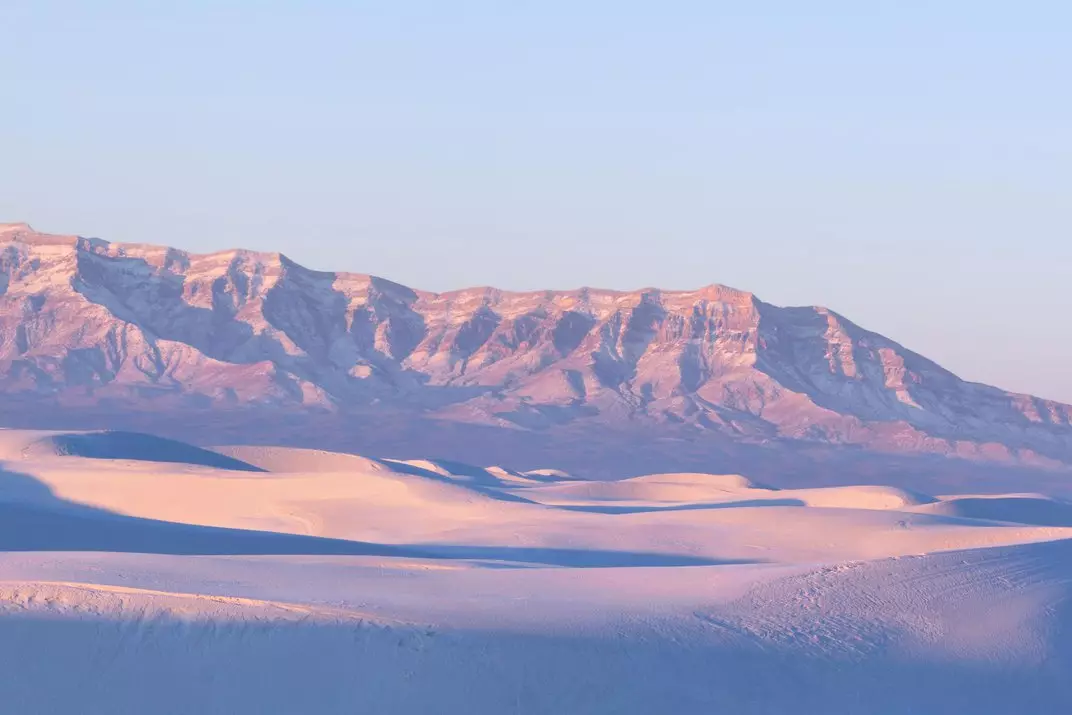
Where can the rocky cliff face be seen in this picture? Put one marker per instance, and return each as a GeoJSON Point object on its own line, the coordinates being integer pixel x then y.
{"type": "Point", "coordinates": [88, 324]}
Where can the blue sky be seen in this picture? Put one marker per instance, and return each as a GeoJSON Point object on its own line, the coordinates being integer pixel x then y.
{"type": "Point", "coordinates": [908, 164]}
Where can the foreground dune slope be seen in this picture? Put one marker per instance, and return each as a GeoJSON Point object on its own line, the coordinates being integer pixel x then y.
{"type": "Point", "coordinates": [140, 576]}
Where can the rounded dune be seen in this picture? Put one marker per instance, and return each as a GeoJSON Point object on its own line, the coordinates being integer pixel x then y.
{"type": "Point", "coordinates": [1027, 509]}
{"type": "Point", "coordinates": [299, 460]}
{"type": "Point", "coordinates": [480, 478]}
{"type": "Point", "coordinates": [135, 446]}
{"type": "Point", "coordinates": [859, 497]}
{"type": "Point", "coordinates": [548, 475]}
{"type": "Point", "coordinates": [653, 488]}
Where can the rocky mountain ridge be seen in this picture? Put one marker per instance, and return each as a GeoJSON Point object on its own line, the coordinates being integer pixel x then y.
{"type": "Point", "coordinates": [86, 324]}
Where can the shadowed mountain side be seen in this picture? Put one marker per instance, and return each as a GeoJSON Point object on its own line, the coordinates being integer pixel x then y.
{"type": "Point", "coordinates": [32, 518]}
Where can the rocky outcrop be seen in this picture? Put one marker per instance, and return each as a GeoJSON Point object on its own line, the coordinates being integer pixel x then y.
{"type": "Point", "coordinates": [85, 323]}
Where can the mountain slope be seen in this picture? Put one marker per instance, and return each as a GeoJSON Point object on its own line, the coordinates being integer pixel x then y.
{"type": "Point", "coordinates": [88, 325]}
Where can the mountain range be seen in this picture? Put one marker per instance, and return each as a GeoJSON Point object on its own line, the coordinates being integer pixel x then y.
{"type": "Point", "coordinates": [235, 344]}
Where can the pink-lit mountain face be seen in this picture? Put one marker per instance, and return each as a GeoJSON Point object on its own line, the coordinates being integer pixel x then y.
{"type": "Point", "coordinates": [92, 327]}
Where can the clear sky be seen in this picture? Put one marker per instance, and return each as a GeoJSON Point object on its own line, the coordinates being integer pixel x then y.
{"type": "Point", "coordinates": [908, 164]}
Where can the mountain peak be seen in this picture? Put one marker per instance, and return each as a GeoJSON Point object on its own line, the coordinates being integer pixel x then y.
{"type": "Point", "coordinates": [23, 232]}
{"type": "Point", "coordinates": [18, 227]}
{"type": "Point", "coordinates": [135, 328]}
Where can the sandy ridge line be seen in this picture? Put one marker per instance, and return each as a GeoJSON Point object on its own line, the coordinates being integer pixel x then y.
{"type": "Point", "coordinates": [9, 593]}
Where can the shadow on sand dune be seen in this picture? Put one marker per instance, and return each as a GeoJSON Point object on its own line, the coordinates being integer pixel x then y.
{"type": "Point", "coordinates": [1011, 510]}
{"type": "Point", "coordinates": [572, 558]}
{"type": "Point", "coordinates": [611, 509]}
{"type": "Point", "coordinates": [32, 518]}
{"type": "Point", "coordinates": [141, 447]}
{"type": "Point", "coordinates": [144, 662]}
{"type": "Point", "coordinates": [473, 478]}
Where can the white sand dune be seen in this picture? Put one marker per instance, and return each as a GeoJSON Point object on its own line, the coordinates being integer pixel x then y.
{"type": "Point", "coordinates": [655, 488]}
{"type": "Point", "coordinates": [148, 576]}
{"type": "Point", "coordinates": [696, 490]}
{"type": "Point", "coordinates": [112, 445]}
{"type": "Point", "coordinates": [294, 459]}
{"type": "Point", "coordinates": [1034, 509]}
